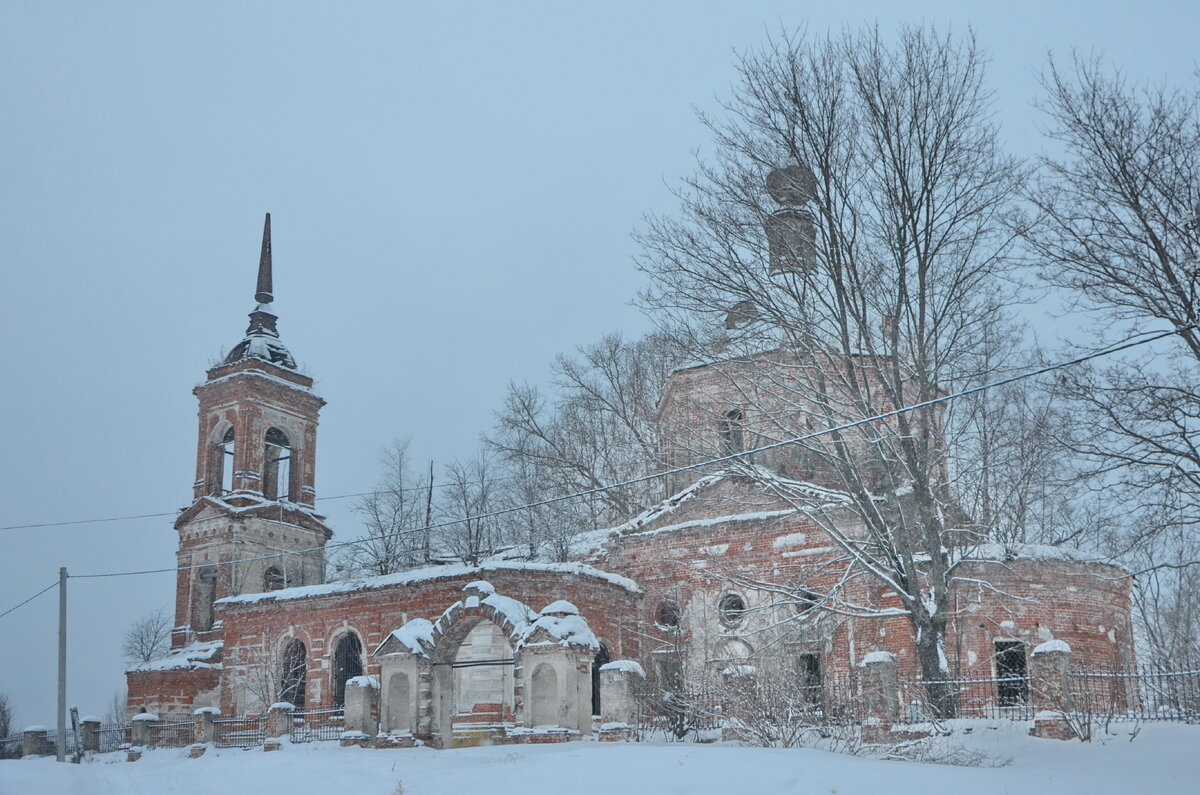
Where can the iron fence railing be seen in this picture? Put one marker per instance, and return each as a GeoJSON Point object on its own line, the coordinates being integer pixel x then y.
{"type": "Point", "coordinates": [243, 732]}
{"type": "Point", "coordinates": [970, 697]}
{"type": "Point", "coordinates": [174, 735]}
{"type": "Point", "coordinates": [111, 737]}
{"type": "Point", "coordinates": [10, 747]}
{"type": "Point", "coordinates": [318, 724]}
{"type": "Point", "coordinates": [1140, 694]}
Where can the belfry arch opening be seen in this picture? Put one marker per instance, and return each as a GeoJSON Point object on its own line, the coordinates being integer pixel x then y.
{"type": "Point", "coordinates": [277, 466]}
{"type": "Point", "coordinates": [222, 463]}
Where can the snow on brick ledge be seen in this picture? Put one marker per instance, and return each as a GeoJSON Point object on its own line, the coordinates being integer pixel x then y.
{"type": "Point", "coordinates": [878, 657]}
{"type": "Point", "coordinates": [1051, 646]}
{"type": "Point", "coordinates": [195, 655]}
{"type": "Point", "coordinates": [624, 666]}
{"type": "Point", "coordinates": [425, 574]}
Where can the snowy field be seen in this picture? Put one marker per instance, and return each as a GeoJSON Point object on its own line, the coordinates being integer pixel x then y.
{"type": "Point", "coordinates": [1159, 759]}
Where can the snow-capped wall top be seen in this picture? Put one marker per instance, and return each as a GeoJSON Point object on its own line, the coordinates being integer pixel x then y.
{"type": "Point", "coordinates": [561, 608]}
{"type": "Point", "coordinates": [363, 681]}
{"type": "Point", "coordinates": [416, 637]}
{"type": "Point", "coordinates": [570, 630]}
{"type": "Point", "coordinates": [878, 657]}
{"type": "Point", "coordinates": [736, 671]}
{"type": "Point", "coordinates": [481, 587]}
{"type": "Point", "coordinates": [424, 575]}
{"type": "Point", "coordinates": [195, 655]}
{"type": "Point", "coordinates": [624, 666]}
{"type": "Point", "coordinates": [144, 716]}
{"type": "Point", "coordinates": [990, 552]}
{"type": "Point", "coordinates": [1052, 646]}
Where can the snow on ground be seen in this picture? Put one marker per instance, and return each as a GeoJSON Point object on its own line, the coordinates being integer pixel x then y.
{"type": "Point", "coordinates": [1159, 759]}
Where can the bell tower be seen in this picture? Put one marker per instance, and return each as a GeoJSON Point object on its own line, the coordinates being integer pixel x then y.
{"type": "Point", "coordinates": [252, 525]}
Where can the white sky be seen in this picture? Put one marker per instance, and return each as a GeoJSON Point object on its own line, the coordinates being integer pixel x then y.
{"type": "Point", "coordinates": [452, 188]}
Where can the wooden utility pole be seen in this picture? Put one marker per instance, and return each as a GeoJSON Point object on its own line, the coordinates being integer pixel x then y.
{"type": "Point", "coordinates": [61, 743]}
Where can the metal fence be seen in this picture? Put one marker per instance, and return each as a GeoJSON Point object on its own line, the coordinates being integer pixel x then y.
{"type": "Point", "coordinates": [174, 735]}
{"type": "Point", "coordinates": [10, 747]}
{"type": "Point", "coordinates": [1008, 697]}
{"type": "Point", "coordinates": [1142, 694]}
{"type": "Point", "coordinates": [318, 724]}
{"type": "Point", "coordinates": [244, 732]}
{"type": "Point", "coordinates": [111, 737]}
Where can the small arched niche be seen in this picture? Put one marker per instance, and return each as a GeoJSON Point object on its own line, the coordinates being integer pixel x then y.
{"type": "Point", "coordinates": [544, 701]}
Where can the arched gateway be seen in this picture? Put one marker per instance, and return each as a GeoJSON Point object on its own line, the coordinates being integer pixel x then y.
{"type": "Point", "coordinates": [488, 669]}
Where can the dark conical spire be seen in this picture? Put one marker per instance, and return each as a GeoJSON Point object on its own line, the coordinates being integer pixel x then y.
{"type": "Point", "coordinates": [262, 337]}
{"type": "Point", "coordinates": [264, 295]}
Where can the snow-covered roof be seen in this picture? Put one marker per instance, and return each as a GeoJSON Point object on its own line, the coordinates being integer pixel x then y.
{"type": "Point", "coordinates": [878, 657]}
{"type": "Point", "coordinates": [560, 607]}
{"type": "Point", "coordinates": [624, 666]}
{"type": "Point", "coordinates": [1052, 646]}
{"type": "Point", "coordinates": [415, 637]}
{"type": "Point", "coordinates": [567, 630]}
{"type": "Point", "coordinates": [1014, 551]}
{"type": "Point", "coordinates": [423, 575]}
{"type": "Point", "coordinates": [195, 655]}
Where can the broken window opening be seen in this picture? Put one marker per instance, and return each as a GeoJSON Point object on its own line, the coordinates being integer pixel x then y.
{"type": "Point", "coordinates": [732, 608]}
{"type": "Point", "coordinates": [273, 579]}
{"type": "Point", "coordinates": [225, 463]}
{"type": "Point", "coordinates": [206, 594]}
{"type": "Point", "coordinates": [294, 664]}
{"type": "Point", "coordinates": [808, 673]}
{"type": "Point", "coordinates": [277, 466]}
{"type": "Point", "coordinates": [733, 432]}
{"type": "Point", "coordinates": [600, 659]}
{"type": "Point", "coordinates": [668, 614]}
{"type": "Point", "coordinates": [347, 664]}
{"type": "Point", "coordinates": [1012, 680]}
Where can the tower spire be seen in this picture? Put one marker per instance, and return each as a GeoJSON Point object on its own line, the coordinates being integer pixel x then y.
{"type": "Point", "coordinates": [262, 336]}
{"type": "Point", "coordinates": [263, 294]}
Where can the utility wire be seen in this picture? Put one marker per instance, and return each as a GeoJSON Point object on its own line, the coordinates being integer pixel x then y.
{"type": "Point", "coordinates": [30, 599]}
{"type": "Point", "coordinates": [1129, 342]}
{"type": "Point", "coordinates": [176, 513]}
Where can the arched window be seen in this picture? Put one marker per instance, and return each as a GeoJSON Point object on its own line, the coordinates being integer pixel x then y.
{"type": "Point", "coordinates": [293, 667]}
{"type": "Point", "coordinates": [347, 664]}
{"type": "Point", "coordinates": [732, 608]}
{"type": "Point", "coordinates": [733, 432]}
{"type": "Point", "coordinates": [601, 659]}
{"type": "Point", "coordinates": [277, 469]}
{"type": "Point", "coordinates": [223, 464]}
{"type": "Point", "coordinates": [273, 579]}
{"type": "Point", "coordinates": [668, 614]}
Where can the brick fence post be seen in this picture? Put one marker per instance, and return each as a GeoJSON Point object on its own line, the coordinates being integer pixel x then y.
{"type": "Point", "coordinates": [89, 734]}
{"type": "Point", "coordinates": [34, 742]}
{"type": "Point", "coordinates": [143, 728]}
{"type": "Point", "coordinates": [279, 719]}
{"type": "Point", "coordinates": [1048, 680]}
{"type": "Point", "coordinates": [881, 692]}
{"type": "Point", "coordinates": [204, 727]}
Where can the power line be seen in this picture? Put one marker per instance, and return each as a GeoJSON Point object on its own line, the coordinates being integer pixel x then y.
{"type": "Point", "coordinates": [30, 599]}
{"type": "Point", "coordinates": [177, 512]}
{"type": "Point", "coordinates": [1129, 342]}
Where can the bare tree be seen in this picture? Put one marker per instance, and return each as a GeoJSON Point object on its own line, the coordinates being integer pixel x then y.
{"type": "Point", "coordinates": [1117, 228]}
{"type": "Point", "coordinates": [7, 713]}
{"type": "Point", "coordinates": [148, 637]}
{"type": "Point", "coordinates": [472, 489]}
{"type": "Point", "coordinates": [599, 428]}
{"type": "Point", "coordinates": [847, 235]}
{"type": "Point", "coordinates": [118, 709]}
{"type": "Point", "coordinates": [396, 535]}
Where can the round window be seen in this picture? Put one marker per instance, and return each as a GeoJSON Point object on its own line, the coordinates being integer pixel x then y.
{"type": "Point", "coordinates": [732, 608]}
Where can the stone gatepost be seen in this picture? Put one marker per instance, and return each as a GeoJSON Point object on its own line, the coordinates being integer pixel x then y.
{"type": "Point", "coordinates": [143, 728]}
{"type": "Point", "coordinates": [620, 681]}
{"type": "Point", "coordinates": [362, 705]}
{"type": "Point", "coordinates": [279, 719]}
{"type": "Point", "coordinates": [35, 742]}
{"type": "Point", "coordinates": [204, 724]}
{"type": "Point", "coordinates": [89, 734]}
{"type": "Point", "coordinates": [881, 694]}
{"type": "Point", "coordinates": [1048, 666]}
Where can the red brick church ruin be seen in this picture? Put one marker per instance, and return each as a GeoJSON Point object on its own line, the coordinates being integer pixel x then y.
{"type": "Point", "coordinates": [449, 653]}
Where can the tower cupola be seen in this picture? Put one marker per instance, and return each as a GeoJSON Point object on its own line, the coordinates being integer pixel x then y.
{"type": "Point", "coordinates": [262, 336]}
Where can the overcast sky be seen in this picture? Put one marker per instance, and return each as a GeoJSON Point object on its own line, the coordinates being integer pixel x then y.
{"type": "Point", "coordinates": [452, 189]}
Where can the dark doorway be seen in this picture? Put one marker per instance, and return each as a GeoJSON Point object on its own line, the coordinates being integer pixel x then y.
{"type": "Point", "coordinates": [347, 664]}
{"type": "Point", "coordinates": [1012, 677]}
{"type": "Point", "coordinates": [808, 674]}
{"type": "Point", "coordinates": [601, 659]}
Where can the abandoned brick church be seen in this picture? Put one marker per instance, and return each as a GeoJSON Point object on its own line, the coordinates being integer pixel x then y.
{"type": "Point", "coordinates": [511, 644]}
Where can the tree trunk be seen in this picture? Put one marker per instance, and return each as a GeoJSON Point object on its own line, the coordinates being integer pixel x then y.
{"type": "Point", "coordinates": [930, 632]}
